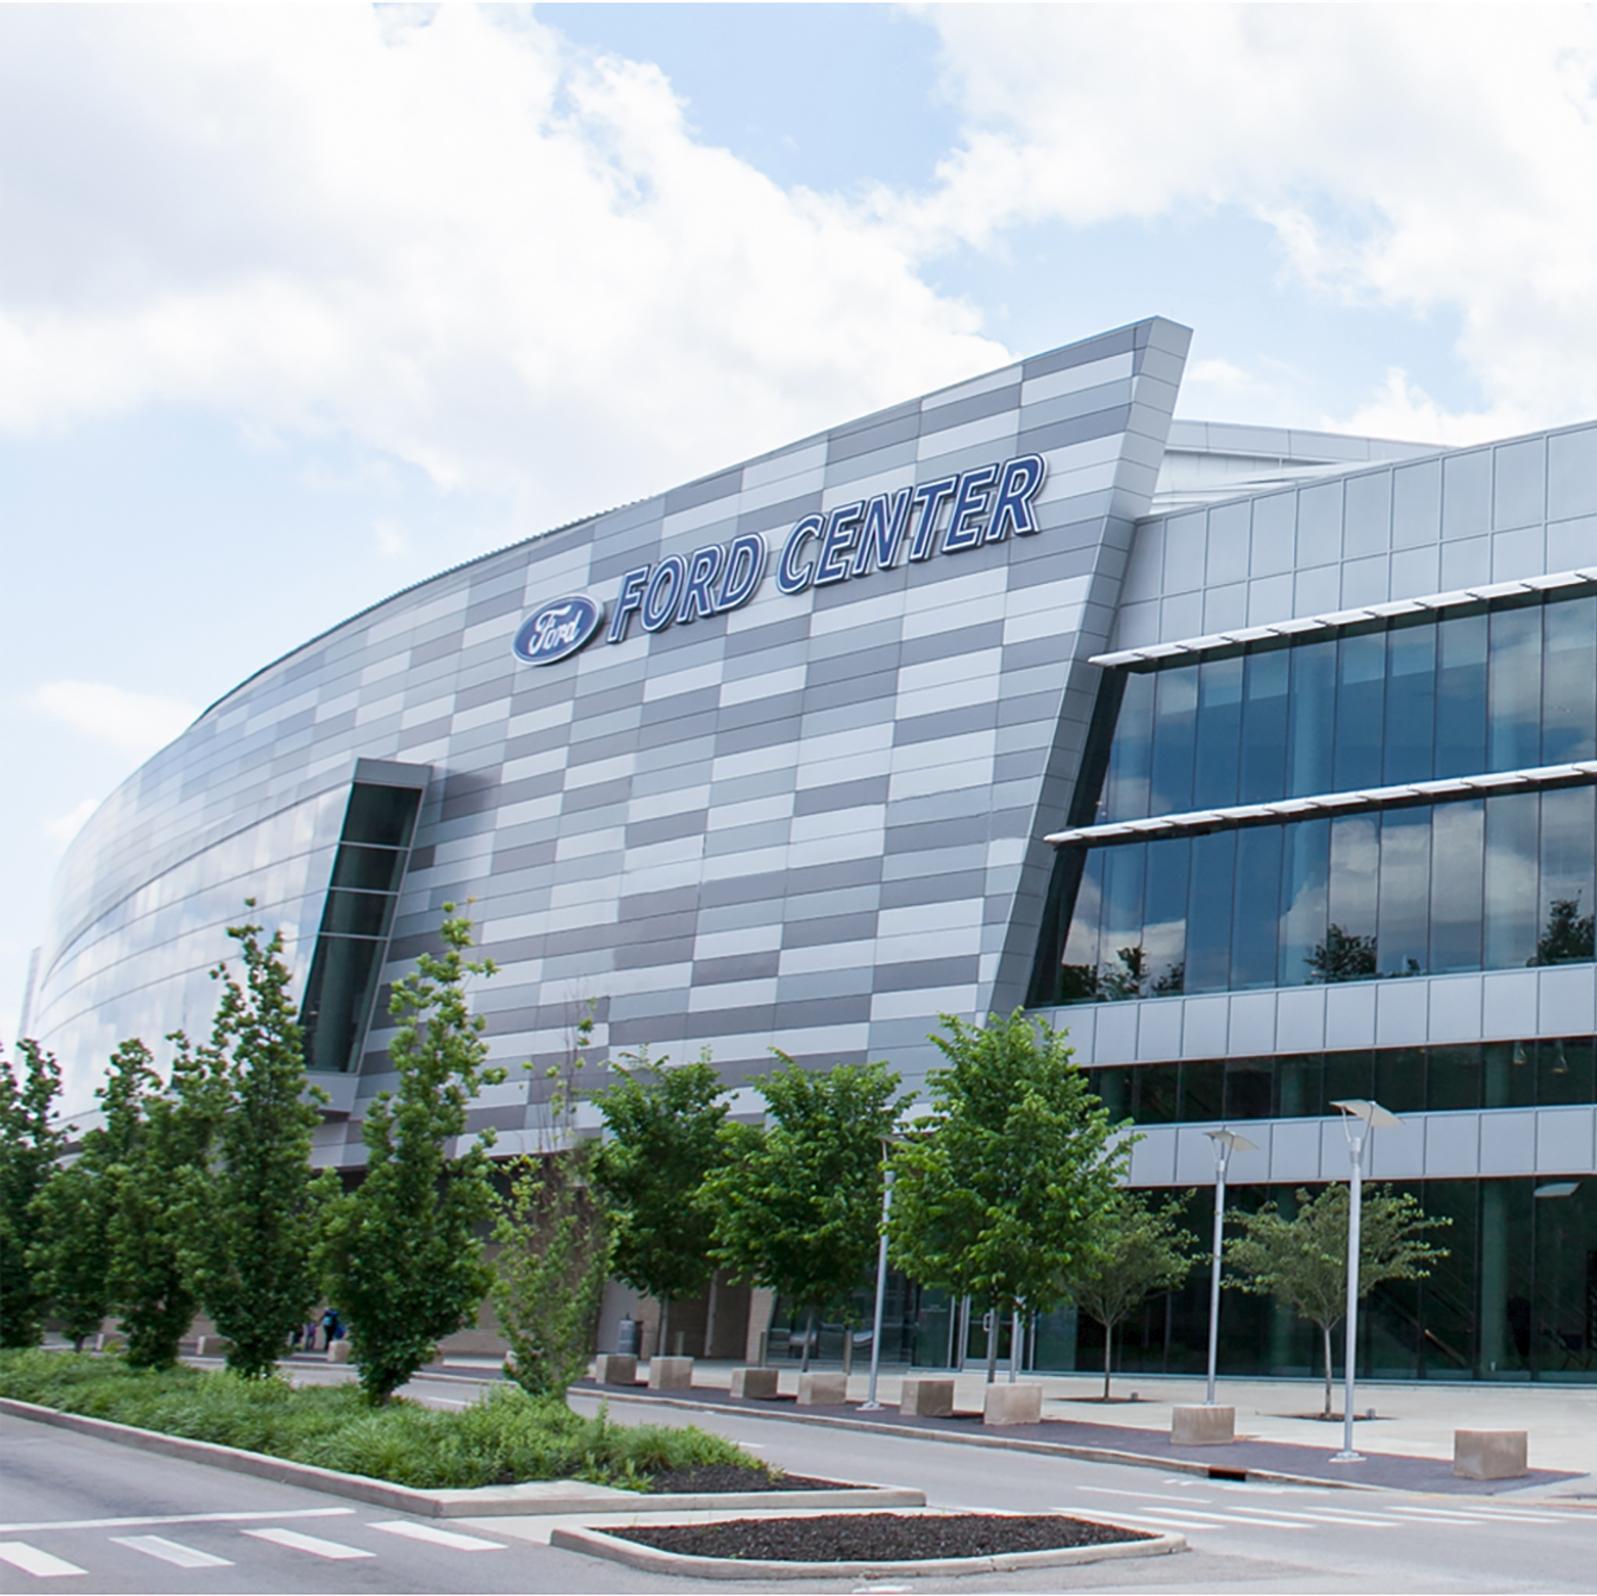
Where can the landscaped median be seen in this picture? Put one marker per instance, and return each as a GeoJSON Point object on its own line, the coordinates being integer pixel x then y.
{"type": "Point", "coordinates": [505, 1454]}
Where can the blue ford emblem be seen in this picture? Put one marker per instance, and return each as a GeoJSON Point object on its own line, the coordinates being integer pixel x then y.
{"type": "Point", "coordinates": [557, 629]}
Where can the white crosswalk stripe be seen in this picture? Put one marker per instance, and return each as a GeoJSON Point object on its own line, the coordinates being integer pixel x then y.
{"type": "Point", "coordinates": [173, 1552]}
{"type": "Point", "coordinates": [1265, 1514]}
{"type": "Point", "coordinates": [313, 1544]}
{"type": "Point", "coordinates": [437, 1537]}
{"type": "Point", "coordinates": [31, 1560]}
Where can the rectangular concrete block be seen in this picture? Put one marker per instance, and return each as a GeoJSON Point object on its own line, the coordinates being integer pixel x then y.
{"type": "Point", "coordinates": [1490, 1454]}
{"type": "Point", "coordinates": [927, 1399]}
{"type": "Point", "coordinates": [615, 1368]}
{"type": "Point", "coordinates": [1012, 1404]}
{"type": "Point", "coordinates": [760, 1383]}
{"type": "Point", "coordinates": [670, 1374]}
{"type": "Point", "coordinates": [826, 1390]}
{"type": "Point", "coordinates": [339, 1351]}
{"type": "Point", "coordinates": [1202, 1426]}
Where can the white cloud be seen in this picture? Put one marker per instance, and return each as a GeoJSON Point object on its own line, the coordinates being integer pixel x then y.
{"type": "Point", "coordinates": [1439, 170]}
{"type": "Point", "coordinates": [61, 829]}
{"type": "Point", "coordinates": [133, 723]}
{"type": "Point", "coordinates": [468, 245]}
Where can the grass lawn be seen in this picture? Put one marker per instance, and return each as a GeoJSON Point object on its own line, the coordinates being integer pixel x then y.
{"type": "Point", "coordinates": [504, 1438]}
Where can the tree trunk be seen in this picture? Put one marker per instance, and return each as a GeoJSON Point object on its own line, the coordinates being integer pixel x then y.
{"type": "Point", "coordinates": [809, 1341]}
{"type": "Point", "coordinates": [1108, 1357]}
{"type": "Point", "coordinates": [662, 1347]}
{"type": "Point", "coordinates": [992, 1343]}
{"type": "Point", "coordinates": [1325, 1331]}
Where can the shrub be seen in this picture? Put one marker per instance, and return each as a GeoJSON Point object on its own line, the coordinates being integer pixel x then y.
{"type": "Point", "coordinates": [505, 1437]}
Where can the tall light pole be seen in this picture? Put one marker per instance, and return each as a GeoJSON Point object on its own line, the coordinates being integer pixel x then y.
{"type": "Point", "coordinates": [1360, 1117]}
{"type": "Point", "coordinates": [1225, 1142]}
{"type": "Point", "coordinates": [870, 1404]}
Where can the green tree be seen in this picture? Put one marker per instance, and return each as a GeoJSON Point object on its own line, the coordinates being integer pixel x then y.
{"type": "Point", "coordinates": [149, 1231]}
{"type": "Point", "coordinates": [30, 1145]}
{"type": "Point", "coordinates": [1138, 1247]}
{"type": "Point", "coordinates": [797, 1208]}
{"type": "Point", "coordinates": [1343, 956]}
{"type": "Point", "coordinates": [253, 1216]}
{"type": "Point", "coordinates": [75, 1209]}
{"type": "Point", "coordinates": [554, 1244]}
{"type": "Point", "coordinates": [1303, 1259]}
{"type": "Point", "coordinates": [1568, 935]}
{"type": "Point", "coordinates": [664, 1139]}
{"type": "Point", "coordinates": [402, 1254]}
{"type": "Point", "coordinates": [1000, 1192]}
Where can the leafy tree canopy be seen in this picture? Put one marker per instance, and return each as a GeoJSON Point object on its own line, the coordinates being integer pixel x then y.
{"type": "Point", "coordinates": [30, 1144]}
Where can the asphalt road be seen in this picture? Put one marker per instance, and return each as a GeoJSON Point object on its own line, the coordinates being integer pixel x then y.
{"type": "Point", "coordinates": [88, 1515]}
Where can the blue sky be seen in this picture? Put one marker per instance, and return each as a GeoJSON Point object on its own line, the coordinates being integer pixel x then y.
{"type": "Point", "coordinates": [298, 306]}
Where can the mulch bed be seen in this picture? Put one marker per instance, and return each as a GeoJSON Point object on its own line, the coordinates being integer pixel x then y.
{"type": "Point", "coordinates": [876, 1537]}
{"type": "Point", "coordinates": [723, 1478]}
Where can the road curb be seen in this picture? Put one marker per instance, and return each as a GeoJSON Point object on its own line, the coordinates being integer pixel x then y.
{"type": "Point", "coordinates": [1089, 1454]}
{"type": "Point", "coordinates": [651, 1559]}
{"type": "Point", "coordinates": [491, 1501]}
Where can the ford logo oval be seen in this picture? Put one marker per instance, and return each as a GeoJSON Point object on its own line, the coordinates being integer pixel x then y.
{"type": "Point", "coordinates": [557, 629]}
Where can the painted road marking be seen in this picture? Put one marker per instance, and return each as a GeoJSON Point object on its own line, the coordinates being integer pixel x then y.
{"type": "Point", "coordinates": [173, 1552]}
{"type": "Point", "coordinates": [168, 1518]}
{"type": "Point", "coordinates": [1265, 1515]}
{"type": "Point", "coordinates": [438, 1537]}
{"type": "Point", "coordinates": [1140, 1496]}
{"type": "Point", "coordinates": [43, 1565]}
{"type": "Point", "coordinates": [313, 1544]}
{"type": "Point", "coordinates": [1162, 1525]}
{"type": "Point", "coordinates": [1230, 1518]}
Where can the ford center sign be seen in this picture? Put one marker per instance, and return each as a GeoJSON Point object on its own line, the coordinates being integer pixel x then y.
{"type": "Point", "coordinates": [983, 505]}
{"type": "Point", "coordinates": [557, 629]}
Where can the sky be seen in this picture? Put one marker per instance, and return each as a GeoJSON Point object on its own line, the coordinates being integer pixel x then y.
{"type": "Point", "coordinates": [298, 306]}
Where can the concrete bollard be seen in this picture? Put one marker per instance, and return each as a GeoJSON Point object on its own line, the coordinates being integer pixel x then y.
{"type": "Point", "coordinates": [828, 1389]}
{"type": "Point", "coordinates": [1012, 1404]}
{"type": "Point", "coordinates": [1202, 1425]}
{"type": "Point", "coordinates": [1490, 1454]}
{"type": "Point", "coordinates": [199, 1346]}
{"type": "Point", "coordinates": [670, 1374]}
{"type": "Point", "coordinates": [926, 1399]}
{"type": "Point", "coordinates": [339, 1351]}
{"type": "Point", "coordinates": [615, 1368]}
{"type": "Point", "coordinates": [761, 1384]}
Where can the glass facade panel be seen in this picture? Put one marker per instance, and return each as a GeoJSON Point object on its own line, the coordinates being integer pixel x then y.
{"type": "Point", "coordinates": [1410, 703]}
{"type": "Point", "coordinates": [1128, 791]}
{"type": "Point", "coordinates": [1312, 718]}
{"type": "Point", "coordinates": [1514, 689]}
{"type": "Point", "coordinates": [1461, 695]}
{"type": "Point", "coordinates": [1511, 862]}
{"type": "Point", "coordinates": [1360, 702]}
{"type": "Point", "coordinates": [1569, 829]}
{"type": "Point", "coordinates": [1164, 935]}
{"type": "Point", "coordinates": [1254, 920]}
{"type": "Point", "coordinates": [1305, 888]}
{"type": "Point", "coordinates": [384, 815]}
{"type": "Point", "coordinates": [1120, 956]}
{"type": "Point", "coordinates": [1569, 708]}
{"type": "Point", "coordinates": [1174, 728]}
{"type": "Point", "coordinates": [1219, 733]}
{"type": "Point", "coordinates": [1265, 705]}
{"type": "Point", "coordinates": [1349, 951]}
{"type": "Point", "coordinates": [1209, 912]}
{"type": "Point", "coordinates": [1403, 935]}
{"type": "Point", "coordinates": [1458, 850]}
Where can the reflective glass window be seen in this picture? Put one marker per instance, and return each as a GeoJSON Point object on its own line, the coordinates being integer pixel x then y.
{"type": "Point", "coordinates": [1453, 1078]}
{"type": "Point", "coordinates": [1458, 858]}
{"type": "Point", "coordinates": [1348, 952]}
{"type": "Point", "coordinates": [1569, 713]}
{"type": "Point", "coordinates": [361, 914]}
{"type": "Point", "coordinates": [1127, 795]}
{"type": "Point", "coordinates": [1405, 891]}
{"type": "Point", "coordinates": [1154, 1090]}
{"type": "Point", "coordinates": [1306, 848]}
{"type": "Point", "coordinates": [337, 999]}
{"type": "Point", "coordinates": [1348, 1073]}
{"type": "Point", "coordinates": [1301, 1084]}
{"type": "Point", "coordinates": [1410, 702]}
{"type": "Point", "coordinates": [1079, 972]}
{"type": "Point", "coordinates": [1514, 688]}
{"type": "Point", "coordinates": [383, 815]}
{"type": "Point", "coordinates": [1175, 722]}
{"type": "Point", "coordinates": [1360, 695]}
{"type": "Point", "coordinates": [1569, 822]}
{"type": "Point", "coordinates": [1400, 1079]}
{"type": "Point", "coordinates": [1511, 870]}
{"type": "Point", "coordinates": [1249, 1088]}
{"type": "Point", "coordinates": [1209, 912]}
{"type": "Point", "coordinates": [1219, 733]}
{"type": "Point", "coordinates": [1120, 955]}
{"type": "Point", "coordinates": [1164, 937]}
{"type": "Point", "coordinates": [1312, 717]}
{"type": "Point", "coordinates": [368, 869]}
{"type": "Point", "coordinates": [1254, 917]}
{"type": "Point", "coordinates": [1461, 695]}
{"type": "Point", "coordinates": [1202, 1090]}
{"type": "Point", "coordinates": [1564, 1070]}
{"type": "Point", "coordinates": [1265, 679]}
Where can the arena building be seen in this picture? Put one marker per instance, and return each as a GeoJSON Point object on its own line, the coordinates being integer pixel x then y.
{"type": "Point", "coordinates": [1265, 761]}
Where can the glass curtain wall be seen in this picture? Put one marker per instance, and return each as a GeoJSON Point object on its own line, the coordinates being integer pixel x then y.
{"type": "Point", "coordinates": [1476, 883]}
{"type": "Point", "coordinates": [1473, 691]}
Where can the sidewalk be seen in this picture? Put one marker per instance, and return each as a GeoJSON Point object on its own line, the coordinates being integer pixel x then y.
{"type": "Point", "coordinates": [1413, 1421]}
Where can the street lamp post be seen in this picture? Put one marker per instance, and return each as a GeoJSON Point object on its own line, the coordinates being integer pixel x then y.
{"type": "Point", "coordinates": [1360, 1117]}
{"type": "Point", "coordinates": [870, 1404]}
{"type": "Point", "coordinates": [1225, 1142]}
